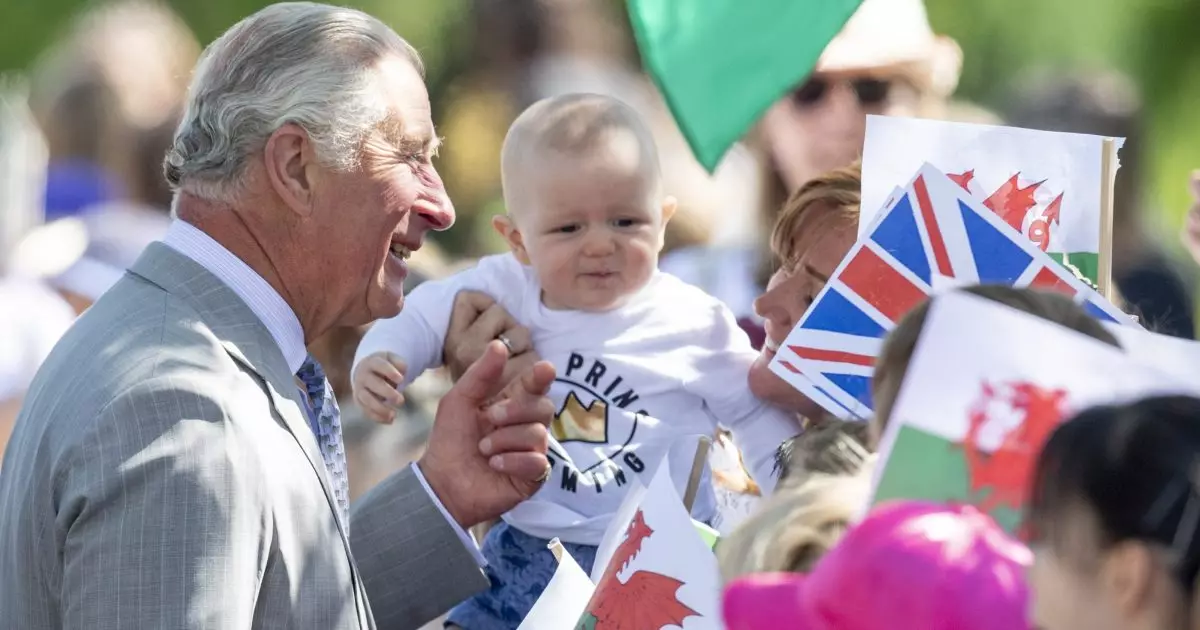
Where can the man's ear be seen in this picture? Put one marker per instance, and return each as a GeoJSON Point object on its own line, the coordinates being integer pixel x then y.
{"type": "Point", "coordinates": [290, 163]}
{"type": "Point", "coordinates": [508, 230]}
{"type": "Point", "coordinates": [669, 206]}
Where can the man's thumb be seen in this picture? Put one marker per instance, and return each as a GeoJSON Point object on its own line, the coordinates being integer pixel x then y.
{"type": "Point", "coordinates": [482, 381]}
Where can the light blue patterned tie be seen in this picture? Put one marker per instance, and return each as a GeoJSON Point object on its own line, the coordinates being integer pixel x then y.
{"type": "Point", "coordinates": [326, 423]}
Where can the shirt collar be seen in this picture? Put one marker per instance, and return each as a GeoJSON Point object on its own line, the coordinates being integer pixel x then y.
{"type": "Point", "coordinates": [255, 291]}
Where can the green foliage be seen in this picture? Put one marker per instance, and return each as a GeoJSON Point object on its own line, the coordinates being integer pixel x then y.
{"type": "Point", "coordinates": [1154, 41]}
{"type": "Point", "coordinates": [27, 26]}
{"type": "Point", "coordinates": [30, 26]}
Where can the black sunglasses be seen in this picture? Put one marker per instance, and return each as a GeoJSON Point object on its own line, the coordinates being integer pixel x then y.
{"type": "Point", "coordinates": [870, 92]}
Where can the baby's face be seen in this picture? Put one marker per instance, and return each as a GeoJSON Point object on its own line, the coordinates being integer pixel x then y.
{"type": "Point", "coordinates": [592, 229]}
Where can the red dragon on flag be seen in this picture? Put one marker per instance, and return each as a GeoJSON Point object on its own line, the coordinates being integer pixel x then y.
{"type": "Point", "coordinates": [1007, 468]}
{"type": "Point", "coordinates": [1012, 203]}
{"type": "Point", "coordinates": [645, 601]}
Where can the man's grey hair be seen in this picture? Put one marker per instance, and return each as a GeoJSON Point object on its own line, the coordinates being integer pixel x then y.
{"type": "Point", "coordinates": [293, 62]}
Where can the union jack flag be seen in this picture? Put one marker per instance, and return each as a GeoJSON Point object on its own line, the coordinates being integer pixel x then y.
{"type": "Point", "coordinates": [931, 233]}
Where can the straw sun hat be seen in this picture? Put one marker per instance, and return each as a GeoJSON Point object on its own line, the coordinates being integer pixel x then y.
{"type": "Point", "coordinates": [895, 34]}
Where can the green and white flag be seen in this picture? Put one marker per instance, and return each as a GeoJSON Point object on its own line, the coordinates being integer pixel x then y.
{"type": "Point", "coordinates": [984, 390]}
{"type": "Point", "coordinates": [1045, 184]}
{"type": "Point", "coordinates": [722, 63]}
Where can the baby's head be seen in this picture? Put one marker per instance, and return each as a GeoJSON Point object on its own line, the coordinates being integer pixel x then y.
{"type": "Point", "coordinates": [584, 196]}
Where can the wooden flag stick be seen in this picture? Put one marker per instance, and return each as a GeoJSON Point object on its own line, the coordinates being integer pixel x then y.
{"type": "Point", "coordinates": [698, 464]}
{"type": "Point", "coordinates": [556, 548]}
{"type": "Point", "coordinates": [1108, 176]}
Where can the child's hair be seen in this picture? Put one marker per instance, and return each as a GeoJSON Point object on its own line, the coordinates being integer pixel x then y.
{"type": "Point", "coordinates": [900, 343]}
{"type": "Point", "coordinates": [796, 526]}
{"type": "Point", "coordinates": [1135, 470]}
{"type": "Point", "coordinates": [832, 447]}
{"type": "Point", "coordinates": [574, 125]}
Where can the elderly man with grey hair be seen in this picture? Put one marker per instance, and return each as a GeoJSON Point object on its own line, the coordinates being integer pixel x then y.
{"type": "Point", "coordinates": [178, 462]}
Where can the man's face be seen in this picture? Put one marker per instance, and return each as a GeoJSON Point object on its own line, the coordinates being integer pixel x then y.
{"type": "Point", "coordinates": [374, 216]}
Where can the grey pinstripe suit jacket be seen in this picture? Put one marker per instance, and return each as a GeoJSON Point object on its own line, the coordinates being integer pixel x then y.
{"type": "Point", "coordinates": [161, 475]}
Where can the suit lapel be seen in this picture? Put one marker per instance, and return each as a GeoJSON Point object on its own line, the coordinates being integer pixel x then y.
{"type": "Point", "coordinates": [243, 336]}
{"type": "Point", "coordinates": [247, 340]}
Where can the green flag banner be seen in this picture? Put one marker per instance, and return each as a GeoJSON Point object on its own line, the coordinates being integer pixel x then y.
{"type": "Point", "coordinates": [722, 63]}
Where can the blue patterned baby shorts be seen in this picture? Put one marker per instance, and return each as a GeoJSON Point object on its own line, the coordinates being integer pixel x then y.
{"type": "Point", "coordinates": [519, 567]}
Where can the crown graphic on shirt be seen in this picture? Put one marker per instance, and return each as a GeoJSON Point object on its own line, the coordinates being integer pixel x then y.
{"type": "Point", "coordinates": [578, 423]}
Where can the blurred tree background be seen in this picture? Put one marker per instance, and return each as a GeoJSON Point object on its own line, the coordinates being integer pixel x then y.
{"type": "Point", "coordinates": [1154, 41]}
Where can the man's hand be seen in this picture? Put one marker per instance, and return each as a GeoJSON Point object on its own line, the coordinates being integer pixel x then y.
{"type": "Point", "coordinates": [475, 322]}
{"type": "Point", "coordinates": [482, 460]}
{"type": "Point", "coordinates": [376, 382]}
{"type": "Point", "coordinates": [1191, 226]}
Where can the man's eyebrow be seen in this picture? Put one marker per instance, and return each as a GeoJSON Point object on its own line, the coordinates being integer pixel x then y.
{"type": "Point", "coordinates": [424, 141]}
{"type": "Point", "coordinates": [812, 271]}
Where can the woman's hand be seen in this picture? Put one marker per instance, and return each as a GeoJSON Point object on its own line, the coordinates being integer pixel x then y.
{"type": "Point", "coordinates": [475, 322]}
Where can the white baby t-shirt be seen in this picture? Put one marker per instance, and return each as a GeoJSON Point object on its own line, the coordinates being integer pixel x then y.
{"type": "Point", "coordinates": [633, 384]}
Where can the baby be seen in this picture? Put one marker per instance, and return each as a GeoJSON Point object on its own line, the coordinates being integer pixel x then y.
{"type": "Point", "coordinates": [644, 361]}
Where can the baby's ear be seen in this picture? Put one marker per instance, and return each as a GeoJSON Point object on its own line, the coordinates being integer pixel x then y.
{"type": "Point", "coordinates": [669, 206]}
{"type": "Point", "coordinates": [505, 227]}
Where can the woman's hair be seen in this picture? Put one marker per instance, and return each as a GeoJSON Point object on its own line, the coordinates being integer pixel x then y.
{"type": "Point", "coordinates": [900, 343]}
{"type": "Point", "coordinates": [831, 196]}
{"type": "Point", "coordinates": [796, 526]}
{"type": "Point", "coordinates": [1135, 469]}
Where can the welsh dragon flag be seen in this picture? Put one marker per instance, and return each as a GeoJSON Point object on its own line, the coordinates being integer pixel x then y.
{"type": "Point", "coordinates": [571, 589]}
{"type": "Point", "coordinates": [984, 390]}
{"type": "Point", "coordinates": [654, 568]}
{"type": "Point", "coordinates": [1046, 185]}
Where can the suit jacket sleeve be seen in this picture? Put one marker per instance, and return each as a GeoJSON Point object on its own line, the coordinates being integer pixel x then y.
{"type": "Point", "coordinates": [160, 518]}
{"type": "Point", "coordinates": [410, 558]}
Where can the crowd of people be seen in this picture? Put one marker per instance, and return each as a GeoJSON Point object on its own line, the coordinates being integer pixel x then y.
{"type": "Point", "coordinates": [242, 386]}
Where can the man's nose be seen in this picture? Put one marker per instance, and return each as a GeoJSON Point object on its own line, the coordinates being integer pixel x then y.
{"type": "Point", "coordinates": [437, 208]}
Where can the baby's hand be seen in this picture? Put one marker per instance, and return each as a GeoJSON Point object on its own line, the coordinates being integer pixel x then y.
{"type": "Point", "coordinates": [376, 382]}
